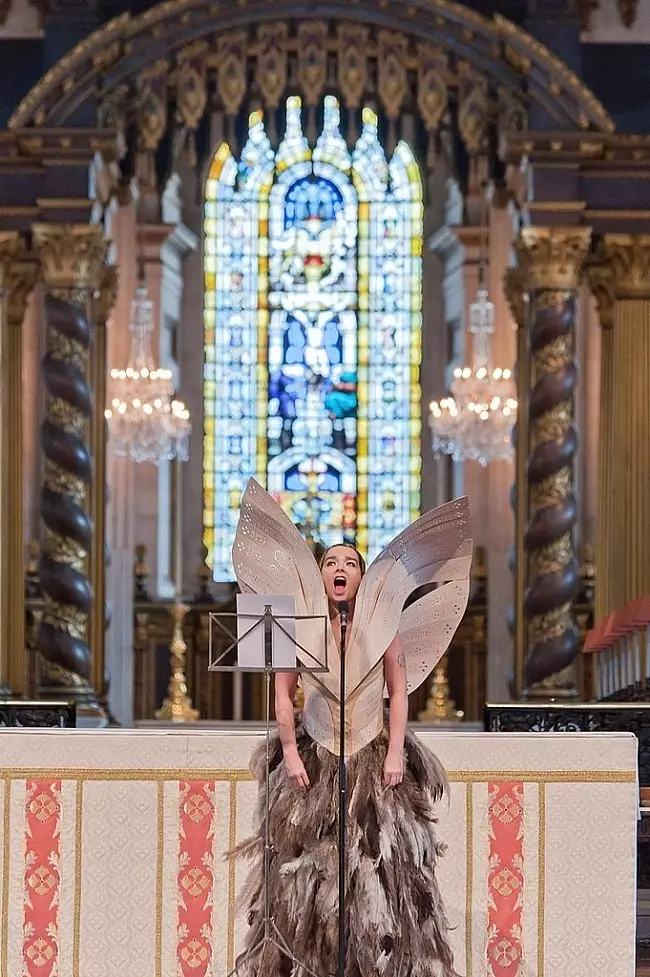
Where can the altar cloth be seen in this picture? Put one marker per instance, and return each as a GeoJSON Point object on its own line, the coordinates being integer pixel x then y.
{"type": "Point", "coordinates": [111, 861]}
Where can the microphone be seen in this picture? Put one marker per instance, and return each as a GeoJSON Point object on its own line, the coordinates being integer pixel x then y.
{"type": "Point", "coordinates": [344, 610]}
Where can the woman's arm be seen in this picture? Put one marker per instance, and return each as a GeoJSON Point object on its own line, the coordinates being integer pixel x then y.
{"type": "Point", "coordinates": [285, 690]}
{"type": "Point", "coordinates": [395, 674]}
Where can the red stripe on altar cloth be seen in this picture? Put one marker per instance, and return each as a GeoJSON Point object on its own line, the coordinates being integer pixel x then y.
{"type": "Point", "coordinates": [195, 880]}
{"type": "Point", "coordinates": [504, 951]}
{"type": "Point", "coordinates": [42, 878]}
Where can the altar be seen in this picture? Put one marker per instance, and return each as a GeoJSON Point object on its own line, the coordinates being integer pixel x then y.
{"type": "Point", "coordinates": [112, 856]}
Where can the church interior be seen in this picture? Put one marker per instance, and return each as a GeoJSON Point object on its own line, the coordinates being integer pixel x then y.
{"type": "Point", "coordinates": [376, 255]}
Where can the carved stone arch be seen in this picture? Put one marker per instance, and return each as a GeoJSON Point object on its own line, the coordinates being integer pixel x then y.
{"type": "Point", "coordinates": [435, 59]}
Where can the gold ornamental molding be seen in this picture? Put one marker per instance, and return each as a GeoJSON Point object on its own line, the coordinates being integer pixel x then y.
{"type": "Point", "coordinates": [552, 258]}
{"type": "Point", "coordinates": [627, 260]}
{"type": "Point", "coordinates": [422, 39]}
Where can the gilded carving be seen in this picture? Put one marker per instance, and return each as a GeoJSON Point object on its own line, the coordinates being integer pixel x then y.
{"type": "Point", "coordinates": [68, 350]}
{"type": "Point", "coordinates": [516, 297]}
{"type": "Point", "coordinates": [271, 72]}
{"type": "Point", "coordinates": [64, 483]}
{"type": "Point", "coordinates": [553, 425]}
{"type": "Point", "coordinates": [432, 86]}
{"type": "Point", "coordinates": [62, 549]}
{"type": "Point", "coordinates": [60, 677]}
{"type": "Point", "coordinates": [553, 357]}
{"type": "Point", "coordinates": [352, 62]}
{"type": "Point", "coordinates": [11, 244]}
{"type": "Point", "coordinates": [474, 118]}
{"type": "Point", "coordinates": [512, 116]}
{"type": "Point", "coordinates": [152, 106]}
{"type": "Point", "coordinates": [72, 255]}
{"type": "Point", "coordinates": [552, 558]}
{"type": "Point", "coordinates": [65, 617]}
{"type": "Point", "coordinates": [312, 59]}
{"type": "Point", "coordinates": [552, 257]}
{"type": "Point", "coordinates": [550, 491]}
{"type": "Point", "coordinates": [557, 71]}
{"type": "Point", "coordinates": [231, 71]}
{"type": "Point", "coordinates": [546, 627]}
{"type": "Point", "coordinates": [112, 112]}
{"type": "Point", "coordinates": [106, 294]}
{"type": "Point", "coordinates": [561, 681]}
{"type": "Point", "coordinates": [392, 49]}
{"type": "Point", "coordinates": [552, 298]}
{"type": "Point", "coordinates": [67, 417]}
{"type": "Point", "coordinates": [600, 282]}
{"type": "Point", "coordinates": [23, 278]}
{"type": "Point", "coordinates": [191, 84]}
{"type": "Point", "coordinates": [18, 275]}
{"type": "Point", "coordinates": [531, 62]}
{"type": "Point", "coordinates": [627, 256]}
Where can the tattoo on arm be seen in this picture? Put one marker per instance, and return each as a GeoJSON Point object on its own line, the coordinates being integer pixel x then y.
{"type": "Point", "coordinates": [401, 660]}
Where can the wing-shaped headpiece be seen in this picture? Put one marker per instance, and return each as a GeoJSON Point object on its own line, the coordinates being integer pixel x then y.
{"type": "Point", "coordinates": [437, 550]}
{"type": "Point", "coordinates": [270, 556]}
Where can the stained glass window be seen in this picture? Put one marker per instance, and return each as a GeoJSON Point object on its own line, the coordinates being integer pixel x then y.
{"type": "Point", "coordinates": [313, 333]}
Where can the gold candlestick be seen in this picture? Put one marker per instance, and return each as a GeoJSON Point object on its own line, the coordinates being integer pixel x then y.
{"type": "Point", "coordinates": [177, 707]}
{"type": "Point", "coordinates": [440, 707]}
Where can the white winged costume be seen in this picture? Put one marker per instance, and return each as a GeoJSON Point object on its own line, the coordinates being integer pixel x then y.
{"type": "Point", "coordinates": [396, 922]}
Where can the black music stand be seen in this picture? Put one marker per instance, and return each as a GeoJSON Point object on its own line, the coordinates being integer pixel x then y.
{"type": "Point", "coordinates": [267, 928]}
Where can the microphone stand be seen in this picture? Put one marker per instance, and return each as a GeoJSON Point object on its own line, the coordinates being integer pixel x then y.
{"type": "Point", "coordinates": [343, 807]}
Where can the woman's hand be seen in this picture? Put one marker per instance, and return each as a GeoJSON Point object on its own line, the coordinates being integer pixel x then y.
{"type": "Point", "coordinates": [296, 769]}
{"type": "Point", "coordinates": [393, 768]}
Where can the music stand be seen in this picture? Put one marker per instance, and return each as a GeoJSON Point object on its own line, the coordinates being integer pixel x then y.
{"type": "Point", "coordinates": [267, 929]}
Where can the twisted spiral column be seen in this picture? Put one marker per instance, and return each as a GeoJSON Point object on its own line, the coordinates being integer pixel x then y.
{"type": "Point", "coordinates": [72, 259]}
{"type": "Point", "coordinates": [551, 260]}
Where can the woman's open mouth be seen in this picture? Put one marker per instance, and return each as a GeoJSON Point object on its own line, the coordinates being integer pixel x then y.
{"type": "Point", "coordinates": [340, 583]}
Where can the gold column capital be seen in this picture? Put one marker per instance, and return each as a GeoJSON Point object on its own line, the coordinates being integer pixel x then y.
{"type": "Point", "coordinates": [514, 287]}
{"type": "Point", "coordinates": [627, 259]}
{"type": "Point", "coordinates": [552, 257]}
{"type": "Point", "coordinates": [72, 256]}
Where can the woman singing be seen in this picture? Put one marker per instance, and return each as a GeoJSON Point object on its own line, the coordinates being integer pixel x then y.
{"type": "Point", "coordinates": [396, 923]}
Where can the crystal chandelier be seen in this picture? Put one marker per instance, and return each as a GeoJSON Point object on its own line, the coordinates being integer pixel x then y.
{"type": "Point", "coordinates": [475, 422]}
{"type": "Point", "coordinates": [146, 422]}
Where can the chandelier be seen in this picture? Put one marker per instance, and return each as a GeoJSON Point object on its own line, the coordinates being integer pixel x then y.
{"type": "Point", "coordinates": [474, 423]}
{"type": "Point", "coordinates": [146, 422]}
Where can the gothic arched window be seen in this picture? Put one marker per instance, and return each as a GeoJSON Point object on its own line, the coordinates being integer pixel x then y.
{"type": "Point", "coordinates": [312, 261]}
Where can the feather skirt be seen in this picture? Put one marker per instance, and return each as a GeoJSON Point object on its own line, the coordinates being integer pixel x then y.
{"type": "Point", "coordinates": [395, 919]}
